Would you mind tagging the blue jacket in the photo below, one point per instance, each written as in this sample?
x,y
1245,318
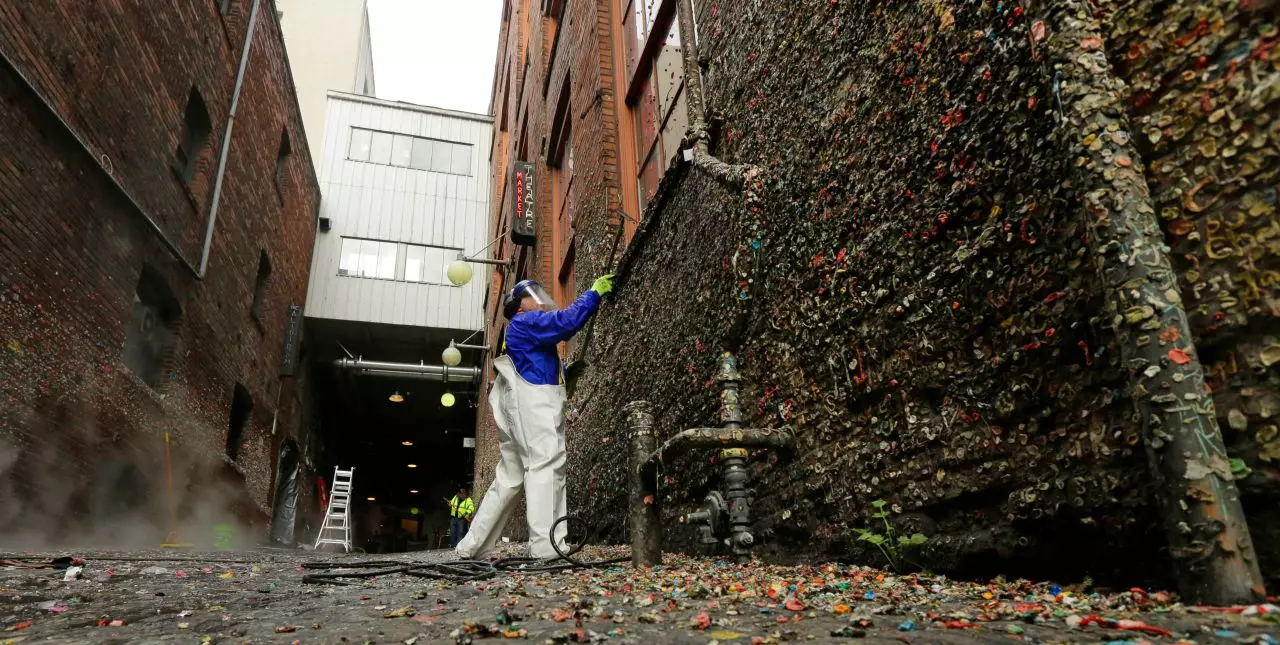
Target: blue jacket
x,y
532,337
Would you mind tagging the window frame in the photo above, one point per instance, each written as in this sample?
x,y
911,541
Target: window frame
x,y
400,263
194,137
450,146
261,285
644,88
283,154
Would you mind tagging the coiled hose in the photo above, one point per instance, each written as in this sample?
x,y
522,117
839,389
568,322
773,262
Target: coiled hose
x,y
457,571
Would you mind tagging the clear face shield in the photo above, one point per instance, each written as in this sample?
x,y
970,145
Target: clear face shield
x,y
531,289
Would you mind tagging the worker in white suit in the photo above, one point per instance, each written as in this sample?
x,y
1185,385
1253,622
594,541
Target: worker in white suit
x,y
528,399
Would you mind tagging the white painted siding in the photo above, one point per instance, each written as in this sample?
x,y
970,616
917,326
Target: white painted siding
x,y
402,205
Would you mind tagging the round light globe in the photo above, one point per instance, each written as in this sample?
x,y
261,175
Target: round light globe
x,y
447,399
451,356
459,273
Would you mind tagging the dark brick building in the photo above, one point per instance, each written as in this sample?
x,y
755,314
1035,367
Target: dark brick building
x,y
916,285
564,72
142,296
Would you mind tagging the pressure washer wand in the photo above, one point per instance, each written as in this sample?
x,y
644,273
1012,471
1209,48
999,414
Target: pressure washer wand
x,y
573,369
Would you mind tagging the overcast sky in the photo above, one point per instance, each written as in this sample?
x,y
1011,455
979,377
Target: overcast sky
x,y
435,52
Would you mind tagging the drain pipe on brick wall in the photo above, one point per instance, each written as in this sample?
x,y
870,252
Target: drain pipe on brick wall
x,y
1209,541
743,176
225,152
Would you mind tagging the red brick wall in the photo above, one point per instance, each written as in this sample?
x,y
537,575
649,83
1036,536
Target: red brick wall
x,y
584,54
73,243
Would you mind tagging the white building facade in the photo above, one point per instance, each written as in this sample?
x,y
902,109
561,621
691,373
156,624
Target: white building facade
x,y
406,189
329,48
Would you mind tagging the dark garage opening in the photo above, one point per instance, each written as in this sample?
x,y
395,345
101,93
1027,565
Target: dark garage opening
x,y
411,454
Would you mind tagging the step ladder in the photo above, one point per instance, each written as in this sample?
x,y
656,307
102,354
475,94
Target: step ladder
x,y
336,528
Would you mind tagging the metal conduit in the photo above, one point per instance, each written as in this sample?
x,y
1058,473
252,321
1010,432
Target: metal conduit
x,y
410,370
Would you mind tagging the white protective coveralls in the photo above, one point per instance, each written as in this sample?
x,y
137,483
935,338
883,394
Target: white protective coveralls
x,y
530,421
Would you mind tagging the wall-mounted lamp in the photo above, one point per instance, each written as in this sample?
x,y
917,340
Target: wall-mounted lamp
x,y
451,356
396,397
458,271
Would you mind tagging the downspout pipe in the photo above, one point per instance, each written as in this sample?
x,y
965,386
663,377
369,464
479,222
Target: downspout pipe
x,y
225,151
743,176
1209,539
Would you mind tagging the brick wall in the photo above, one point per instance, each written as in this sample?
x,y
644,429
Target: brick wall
x,y
581,55
74,240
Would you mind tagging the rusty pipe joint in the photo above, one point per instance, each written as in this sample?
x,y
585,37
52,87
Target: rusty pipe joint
x,y
706,438
646,526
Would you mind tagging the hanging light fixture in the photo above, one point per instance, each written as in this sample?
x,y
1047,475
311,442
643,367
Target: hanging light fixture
x,y
372,499
396,397
406,443
413,465
413,492
448,399
452,356
459,272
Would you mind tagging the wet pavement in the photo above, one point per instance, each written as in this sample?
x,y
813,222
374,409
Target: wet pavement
x,y
260,597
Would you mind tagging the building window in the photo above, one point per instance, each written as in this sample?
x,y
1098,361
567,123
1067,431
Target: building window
x,y
282,164
241,406
561,162
195,136
404,151
426,263
656,88
368,259
260,286
377,259
153,329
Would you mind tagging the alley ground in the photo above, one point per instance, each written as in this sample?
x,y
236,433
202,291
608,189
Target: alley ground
x,y
261,597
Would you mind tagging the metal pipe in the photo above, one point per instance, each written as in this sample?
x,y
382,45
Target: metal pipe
x,y
462,346
720,438
382,368
646,541
485,261
1213,554
417,376
169,245
225,152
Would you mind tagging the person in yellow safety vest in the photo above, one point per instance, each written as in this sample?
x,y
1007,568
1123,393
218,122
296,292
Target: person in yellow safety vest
x,y
461,508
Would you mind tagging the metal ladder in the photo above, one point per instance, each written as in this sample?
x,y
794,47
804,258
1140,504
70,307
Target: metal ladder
x,y
338,516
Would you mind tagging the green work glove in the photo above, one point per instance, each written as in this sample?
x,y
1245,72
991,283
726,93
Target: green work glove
x,y
603,284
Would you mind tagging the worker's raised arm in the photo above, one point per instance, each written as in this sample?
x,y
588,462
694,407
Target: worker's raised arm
x,y
551,327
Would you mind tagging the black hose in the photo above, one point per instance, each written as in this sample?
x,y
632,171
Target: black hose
x,y
458,571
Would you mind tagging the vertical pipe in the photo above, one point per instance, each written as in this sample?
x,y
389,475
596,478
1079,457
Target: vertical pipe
x,y
734,460
694,101
226,141
1208,535
729,377
646,537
